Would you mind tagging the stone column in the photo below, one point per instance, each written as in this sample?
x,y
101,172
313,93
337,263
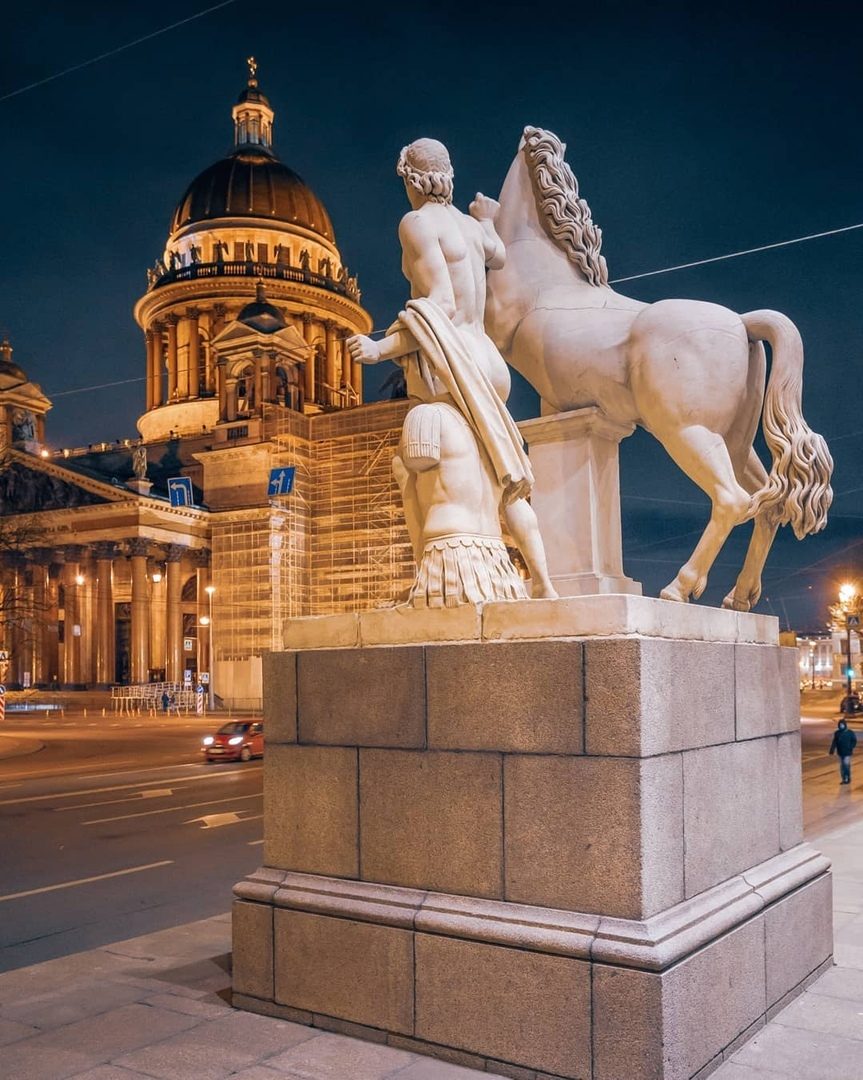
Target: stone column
x,y
332,346
230,397
12,576
259,362
222,386
105,632
173,374
72,629
308,334
158,618
51,626
194,374
203,575
156,345
151,369
40,608
174,667
138,548
577,499
87,615
356,373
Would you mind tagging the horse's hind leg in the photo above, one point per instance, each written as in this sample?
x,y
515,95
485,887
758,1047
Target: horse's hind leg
x,y
747,589
703,456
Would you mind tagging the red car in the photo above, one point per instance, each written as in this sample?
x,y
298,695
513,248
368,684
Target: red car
x,y
238,740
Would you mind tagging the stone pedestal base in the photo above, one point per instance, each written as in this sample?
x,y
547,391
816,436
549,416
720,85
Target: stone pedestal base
x,y
576,497
573,853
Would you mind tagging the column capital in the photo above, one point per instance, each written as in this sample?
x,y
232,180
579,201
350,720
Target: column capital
x,y
172,319
193,313
73,552
138,546
174,552
201,557
307,317
105,549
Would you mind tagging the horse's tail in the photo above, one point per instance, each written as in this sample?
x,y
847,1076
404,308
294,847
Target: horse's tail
x,y
798,490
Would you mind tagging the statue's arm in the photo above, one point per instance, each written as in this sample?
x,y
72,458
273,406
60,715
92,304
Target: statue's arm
x,y
484,211
396,344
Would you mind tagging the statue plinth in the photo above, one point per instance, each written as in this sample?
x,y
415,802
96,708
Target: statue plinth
x,y
566,838
576,497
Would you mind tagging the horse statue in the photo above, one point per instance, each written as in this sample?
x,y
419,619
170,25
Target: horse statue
x,y
692,373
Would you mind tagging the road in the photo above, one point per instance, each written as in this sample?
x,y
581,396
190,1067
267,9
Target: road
x,y
115,829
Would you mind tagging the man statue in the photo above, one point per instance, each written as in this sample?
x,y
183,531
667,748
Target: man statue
x,y
461,461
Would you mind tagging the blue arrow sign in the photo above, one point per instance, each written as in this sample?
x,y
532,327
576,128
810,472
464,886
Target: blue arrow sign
x,y
180,491
282,480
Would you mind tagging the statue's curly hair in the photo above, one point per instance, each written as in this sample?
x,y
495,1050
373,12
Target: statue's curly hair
x,y
426,167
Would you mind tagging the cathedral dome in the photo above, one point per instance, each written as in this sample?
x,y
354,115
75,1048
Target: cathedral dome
x,y
252,182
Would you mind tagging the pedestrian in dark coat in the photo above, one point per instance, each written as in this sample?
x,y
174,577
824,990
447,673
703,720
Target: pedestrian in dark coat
x,y
844,741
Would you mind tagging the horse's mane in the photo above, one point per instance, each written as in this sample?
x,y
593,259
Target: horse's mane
x,y
567,217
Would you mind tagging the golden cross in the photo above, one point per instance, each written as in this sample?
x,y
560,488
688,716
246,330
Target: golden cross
x,y
253,67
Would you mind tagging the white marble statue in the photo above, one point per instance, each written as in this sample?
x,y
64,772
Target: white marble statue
x,y
461,462
693,374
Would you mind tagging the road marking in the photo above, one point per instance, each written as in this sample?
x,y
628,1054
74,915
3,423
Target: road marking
x,y
137,797
169,809
121,787
215,821
254,843
230,817
85,880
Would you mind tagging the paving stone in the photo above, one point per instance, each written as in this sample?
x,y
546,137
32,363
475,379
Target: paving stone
x,y
11,1031
114,1032
337,1057
840,982
831,1016
803,1055
214,1050
431,1069
83,999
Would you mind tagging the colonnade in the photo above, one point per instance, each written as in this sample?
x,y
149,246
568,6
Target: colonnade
x,y
180,345
96,614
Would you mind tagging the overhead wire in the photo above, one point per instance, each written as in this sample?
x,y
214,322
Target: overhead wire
x,y
112,52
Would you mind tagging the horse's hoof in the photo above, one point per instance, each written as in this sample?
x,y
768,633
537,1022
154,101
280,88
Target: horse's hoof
x,y
731,604
668,593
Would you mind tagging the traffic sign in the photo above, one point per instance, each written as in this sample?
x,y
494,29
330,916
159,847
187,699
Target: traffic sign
x,y
204,677
282,480
4,656
850,620
180,491
187,644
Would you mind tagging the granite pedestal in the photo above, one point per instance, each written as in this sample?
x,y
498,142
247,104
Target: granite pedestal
x,y
544,838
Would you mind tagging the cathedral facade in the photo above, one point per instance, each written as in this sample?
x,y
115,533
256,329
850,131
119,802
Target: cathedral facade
x,y
261,486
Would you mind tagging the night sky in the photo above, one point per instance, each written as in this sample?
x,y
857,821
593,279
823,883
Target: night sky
x,y
694,131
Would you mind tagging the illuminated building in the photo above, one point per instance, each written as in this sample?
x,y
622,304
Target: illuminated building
x,y
245,318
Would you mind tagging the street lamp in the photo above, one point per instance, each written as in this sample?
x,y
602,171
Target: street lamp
x,y
209,590
846,596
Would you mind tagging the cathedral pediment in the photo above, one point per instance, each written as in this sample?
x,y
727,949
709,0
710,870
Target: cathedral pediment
x,y
29,486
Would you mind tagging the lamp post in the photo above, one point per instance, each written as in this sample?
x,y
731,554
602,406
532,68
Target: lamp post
x,y
812,663
211,697
846,596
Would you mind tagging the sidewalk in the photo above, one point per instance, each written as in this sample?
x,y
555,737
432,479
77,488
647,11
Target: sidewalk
x,y
158,1008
